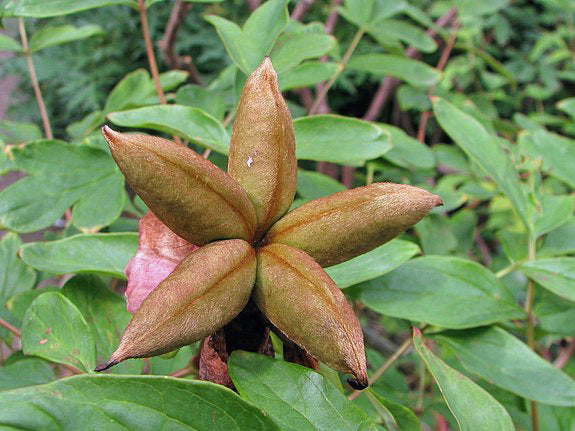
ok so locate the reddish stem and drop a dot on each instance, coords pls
(34, 80)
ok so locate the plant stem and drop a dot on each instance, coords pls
(531, 322)
(11, 328)
(150, 51)
(341, 66)
(400, 351)
(186, 371)
(34, 79)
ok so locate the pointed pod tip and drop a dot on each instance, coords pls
(416, 331)
(437, 201)
(358, 385)
(265, 69)
(104, 367)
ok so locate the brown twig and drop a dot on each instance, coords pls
(11, 328)
(253, 4)
(400, 351)
(388, 84)
(18, 334)
(531, 255)
(565, 354)
(440, 66)
(167, 42)
(34, 80)
(150, 51)
(300, 9)
(186, 371)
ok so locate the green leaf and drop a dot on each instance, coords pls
(555, 211)
(105, 313)
(104, 253)
(138, 403)
(567, 106)
(306, 74)
(54, 329)
(445, 291)
(473, 407)
(337, 139)
(559, 241)
(365, 12)
(43, 9)
(248, 46)
(504, 360)
(18, 132)
(407, 152)
(190, 123)
(313, 185)
(557, 152)
(209, 101)
(58, 35)
(293, 48)
(554, 274)
(384, 30)
(406, 69)
(9, 44)
(402, 418)
(372, 264)
(485, 150)
(16, 275)
(62, 175)
(485, 7)
(296, 397)
(130, 92)
(25, 372)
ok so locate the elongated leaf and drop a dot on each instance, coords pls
(384, 30)
(366, 12)
(337, 139)
(557, 152)
(293, 48)
(62, 175)
(411, 71)
(555, 211)
(372, 264)
(248, 46)
(473, 407)
(106, 315)
(188, 122)
(17, 276)
(119, 403)
(444, 291)
(554, 274)
(485, 150)
(25, 372)
(313, 185)
(306, 74)
(105, 253)
(54, 329)
(58, 35)
(407, 152)
(402, 419)
(43, 9)
(502, 359)
(297, 398)
(9, 44)
(567, 106)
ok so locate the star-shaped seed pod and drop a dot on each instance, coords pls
(245, 242)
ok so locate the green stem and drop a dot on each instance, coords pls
(340, 68)
(531, 322)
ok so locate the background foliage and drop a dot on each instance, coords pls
(471, 100)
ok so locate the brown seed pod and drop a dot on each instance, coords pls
(207, 290)
(300, 299)
(336, 228)
(262, 152)
(194, 198)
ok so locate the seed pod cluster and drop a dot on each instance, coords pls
(249, 246)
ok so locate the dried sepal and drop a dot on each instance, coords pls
(262, 151)
(159, 252)
(344, 225)
(302, 302)
(206, 291)
(193, 197)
